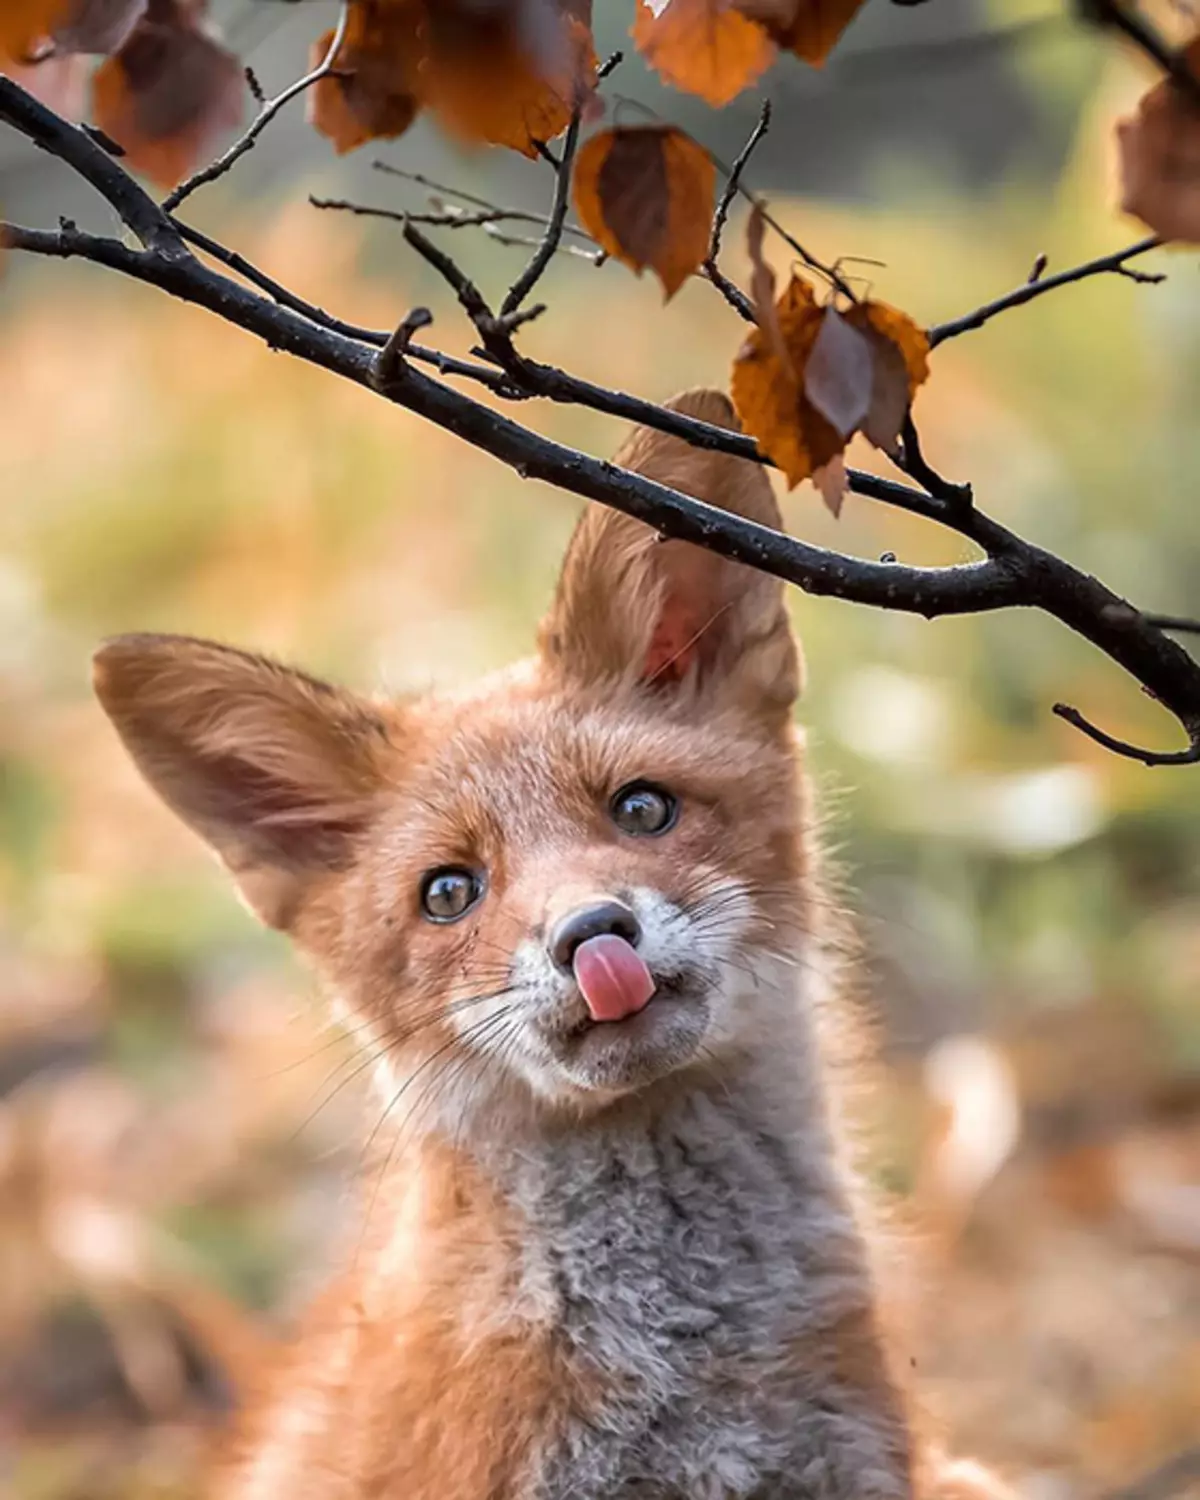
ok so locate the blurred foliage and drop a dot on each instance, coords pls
(176, 1127)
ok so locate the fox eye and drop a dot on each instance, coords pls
(450, 893)
(643, 809)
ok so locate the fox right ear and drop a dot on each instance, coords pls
(276, 770)
(638, 610)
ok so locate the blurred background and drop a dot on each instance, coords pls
(178, 1123)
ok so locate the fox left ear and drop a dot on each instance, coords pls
(636, 609)
(278, 772)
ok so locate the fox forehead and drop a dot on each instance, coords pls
(515, 763)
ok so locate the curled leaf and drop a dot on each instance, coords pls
(169, 93)
(1158, 150)
(762, 283)
(832, 483)
(900, 363)
(809, 28)
(705, 47)
(371, 93)
(769, 397)
(646, 194)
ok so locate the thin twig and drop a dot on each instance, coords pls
(552, 236)
(1181, 623)
(391, 357)
(456, 219)
(516, 214)
(732, 293)
(1028, 290)
(1014, 571)
(911, 461)
(266, 114)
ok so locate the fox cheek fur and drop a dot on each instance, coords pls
(577, 912)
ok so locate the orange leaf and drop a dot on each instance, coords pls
(169, 93)
(508, 74)
(371, 96)
(1159, 159)
(646, 193)
(901, 363)
(26, 23)
(899, 329)
(704, 47)
(809, 28)
(768, 396)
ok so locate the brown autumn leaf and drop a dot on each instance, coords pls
(831, 483)
(169, 93)
(1158, 151)
(762, 283)
(371, 95)
(646, 194)
(768, 394)
(705, 47)
(900, 351)
(809, 28)
(26, 23)
(96, 26)
(509, 73)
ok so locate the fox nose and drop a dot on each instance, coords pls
(592, 920)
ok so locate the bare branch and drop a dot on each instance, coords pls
(1038, 285)
(264, 117)
(732, 293)
(1014, 572)
(550, 240)
(1182, 623)
(440, 189)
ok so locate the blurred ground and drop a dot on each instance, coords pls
(176, 1126)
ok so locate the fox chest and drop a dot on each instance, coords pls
(678, 1282)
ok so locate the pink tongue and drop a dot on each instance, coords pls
(614, 981)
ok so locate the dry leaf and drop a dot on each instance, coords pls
(704, 47)
(372, 93)
(891, 394)
(97, 26)
(1159, 159)
(896, 326)
(169, 93)
(839, 373)
(809, 28)
(509, 74)
(831, 482)
(762, 284)
(26, 23)
(767, 394)
(646, 193)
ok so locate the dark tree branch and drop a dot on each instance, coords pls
(1143, 35)
(1013, 572)
(1182, 623)
(266, 114)
(732, 293)
(1039, 285)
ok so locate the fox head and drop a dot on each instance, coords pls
(580, 878)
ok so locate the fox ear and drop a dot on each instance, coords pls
(277, 771)
(637, 609)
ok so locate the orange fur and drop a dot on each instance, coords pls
(437, 1365)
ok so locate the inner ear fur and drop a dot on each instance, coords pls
(276, 770)
(638, 610)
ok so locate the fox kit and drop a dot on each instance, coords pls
(614, 1254)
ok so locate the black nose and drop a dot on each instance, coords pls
(588, 922)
